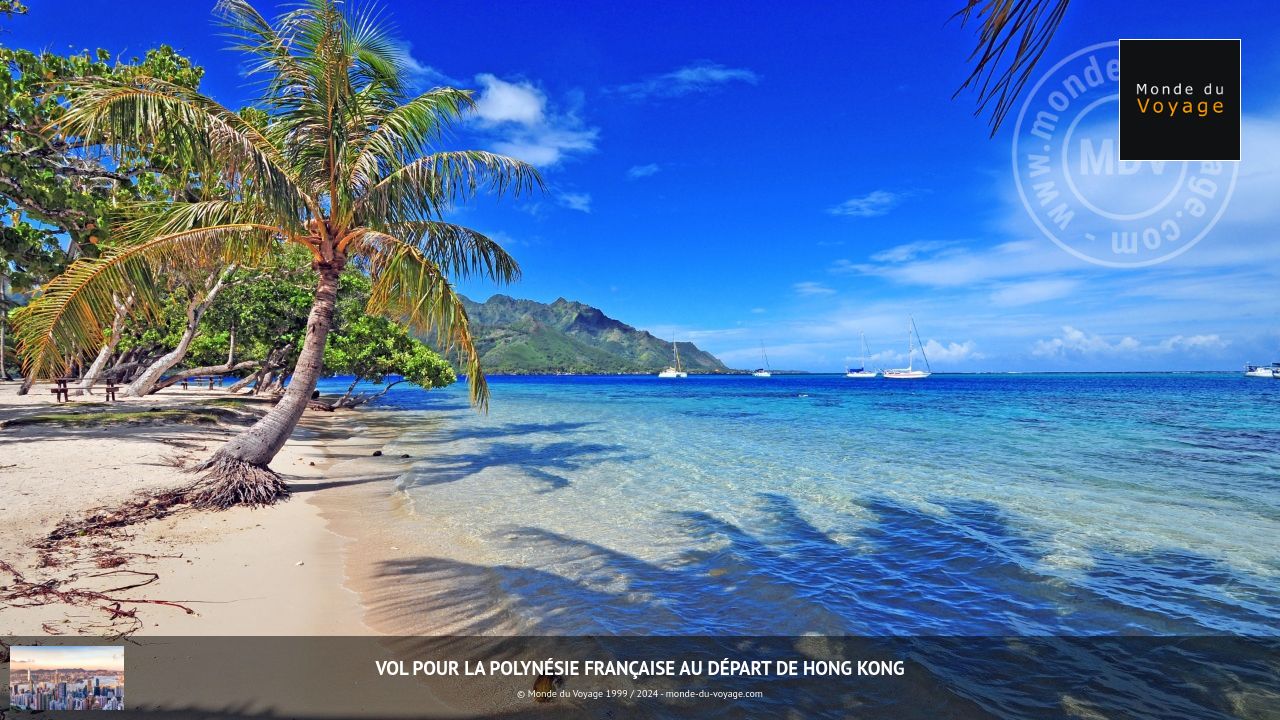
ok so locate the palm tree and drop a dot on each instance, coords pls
(336, 157)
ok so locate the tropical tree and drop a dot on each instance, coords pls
(370, 348)
(56, 196)
(340, 160)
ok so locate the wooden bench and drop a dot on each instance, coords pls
(201, 380)
(60, 389)
(110, 390)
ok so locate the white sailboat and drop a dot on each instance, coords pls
(1263, 371)
(677, 371)
(910, 372)
(861, 371)
(765, 371)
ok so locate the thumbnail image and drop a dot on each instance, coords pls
(66, 677)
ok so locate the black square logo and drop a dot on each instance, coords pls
(1180, 100)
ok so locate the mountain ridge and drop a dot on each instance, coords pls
(525, 337)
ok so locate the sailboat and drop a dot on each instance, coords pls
(676, 371)
(1262, 371)
(861, 371)
(766, 370)
(909, 372)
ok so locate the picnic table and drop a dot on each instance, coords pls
(201, 380)
(63, 393)
(60, 389)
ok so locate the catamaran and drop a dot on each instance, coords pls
(765, 371)
(909, 372)
(1263, 371)
(861, 371)
(676, 371)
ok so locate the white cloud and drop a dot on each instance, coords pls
(873, 204)
(501, 101)
(643, 171)
(1194, 342)
(1077, 342)
(575, 201)
(423, 75)
(1073, 341)
(952, 352)
(810, 288)
(516, 116)
(1031, 292)
(910, 251)
(696, 77)
(758, 310)
(944, 265)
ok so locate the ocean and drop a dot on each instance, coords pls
(961, 505)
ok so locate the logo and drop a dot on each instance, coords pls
(1180, 99)
(1082, 196)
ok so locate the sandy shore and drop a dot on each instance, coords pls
(315, 566)
(269, 571)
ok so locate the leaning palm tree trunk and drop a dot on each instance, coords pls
(238, 471)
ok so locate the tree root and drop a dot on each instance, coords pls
(139, 508)
(229, 482)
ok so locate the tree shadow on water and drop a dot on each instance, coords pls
(960, 592)
(458, 431)
(544, 463)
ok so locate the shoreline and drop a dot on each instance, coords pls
(303, 568)
(279, 570)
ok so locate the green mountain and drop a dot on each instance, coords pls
(523, 337)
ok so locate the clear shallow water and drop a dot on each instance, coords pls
(958, 505)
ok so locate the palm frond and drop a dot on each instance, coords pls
(1013, 37)
(255, 36)
(406, 132)
(145, 113)
(65, 321)
(458, 251)
(427, 186)
(409, 288)
(141, 221)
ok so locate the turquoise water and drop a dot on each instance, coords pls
(972, 505)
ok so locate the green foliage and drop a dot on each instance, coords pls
(55, 180)
(372, 348)
(28, 256)
(57, 195)
(267, 308)
(9, 8)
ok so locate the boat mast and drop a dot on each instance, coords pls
(676, 348)
(764, 356)
(911, 349)
(921, 344)
(863, 337)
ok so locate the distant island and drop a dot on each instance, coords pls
(524, 337)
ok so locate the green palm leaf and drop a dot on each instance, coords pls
(408, 287)
(65, 322)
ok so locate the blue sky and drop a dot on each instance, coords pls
(54, 657)
(747, 171)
